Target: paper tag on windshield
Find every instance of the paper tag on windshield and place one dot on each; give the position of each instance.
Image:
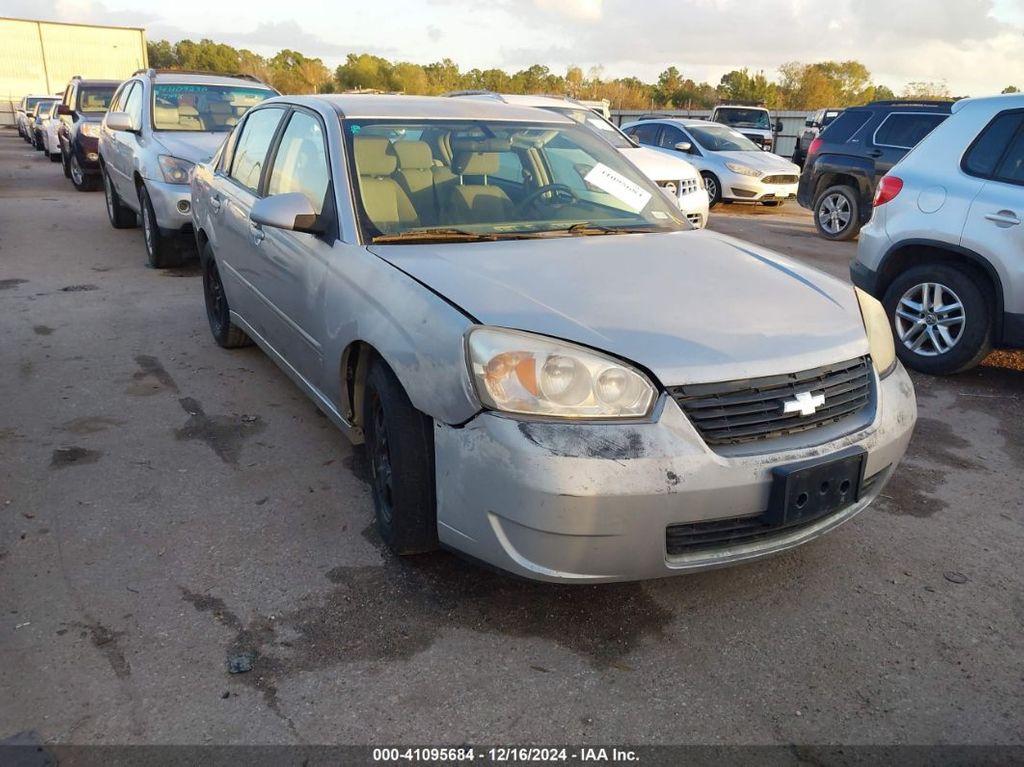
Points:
(618, 186)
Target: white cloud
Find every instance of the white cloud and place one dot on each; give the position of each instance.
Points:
(577, 10)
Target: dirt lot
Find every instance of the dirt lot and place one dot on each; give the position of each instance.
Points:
(166, 506)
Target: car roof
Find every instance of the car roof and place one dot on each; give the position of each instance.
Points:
(1000, 101)
(686, 122)
(96, 81)
(522, 99)
(202, 79)
(361, 106)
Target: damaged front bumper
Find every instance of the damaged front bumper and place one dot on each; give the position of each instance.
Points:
(571, 502)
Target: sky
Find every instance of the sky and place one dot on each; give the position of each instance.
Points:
(975, 46)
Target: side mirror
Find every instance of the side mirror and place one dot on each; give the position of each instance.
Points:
(292, 212)
(808, 123)
(778, 125)
(684, 146)
(119, 121)
(62, 109)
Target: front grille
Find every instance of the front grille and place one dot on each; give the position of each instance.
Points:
(780, 180)
(757, 138)
(681, 187)
(736, 412)
(696, 219)
(718, 533)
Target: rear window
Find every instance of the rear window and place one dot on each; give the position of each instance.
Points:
(843, 127)
(906, 129)
(984, 154)
(94, 99)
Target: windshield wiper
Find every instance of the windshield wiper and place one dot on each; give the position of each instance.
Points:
(435, 235)
(588, 228)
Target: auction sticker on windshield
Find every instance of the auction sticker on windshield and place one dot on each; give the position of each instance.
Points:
(618, 186)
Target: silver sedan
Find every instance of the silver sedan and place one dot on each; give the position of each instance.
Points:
(550, 371)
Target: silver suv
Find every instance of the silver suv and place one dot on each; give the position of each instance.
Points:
(549, 370)
(159, 125)
(945, 248)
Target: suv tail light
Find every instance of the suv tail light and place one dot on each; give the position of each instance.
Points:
(814, 147)
(888, 188)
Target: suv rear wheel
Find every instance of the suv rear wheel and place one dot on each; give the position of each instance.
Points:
(941, 319)
(837, 214)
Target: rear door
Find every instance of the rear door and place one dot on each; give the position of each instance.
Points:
(646, 133)
(897, 134)
(995, 223)
(236, 188)
(288, 267)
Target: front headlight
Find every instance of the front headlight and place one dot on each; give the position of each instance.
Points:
(743, 170)
(90, 129)
(517, 372)
(175, 169)
(876, 324)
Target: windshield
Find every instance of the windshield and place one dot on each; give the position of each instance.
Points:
(461, 180)
(95, 98)
(195, 107)
(594, 121)
(744, 118)
(43, 107)
(31, 102)
(718, 138)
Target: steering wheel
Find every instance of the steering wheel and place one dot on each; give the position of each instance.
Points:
(556, 190)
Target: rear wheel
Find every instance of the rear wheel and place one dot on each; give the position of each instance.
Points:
(941, 319)
(224, 331)
(400, 448)
(120, 216)
(837, 214)
(713, 187)
(161, 251)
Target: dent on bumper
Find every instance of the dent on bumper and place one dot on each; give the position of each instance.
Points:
(591, 502)
(165, 198)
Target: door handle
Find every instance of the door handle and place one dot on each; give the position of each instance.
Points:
(215, 204)
(1004, 218)
(258, 235)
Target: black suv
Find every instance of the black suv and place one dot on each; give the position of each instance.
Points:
(81, 112)
(845, 162)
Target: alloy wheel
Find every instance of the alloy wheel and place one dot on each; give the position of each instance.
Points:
(147, 224)
(380, 461)
(76, 173)
(711, 187)
(930, 319)
(834, 213)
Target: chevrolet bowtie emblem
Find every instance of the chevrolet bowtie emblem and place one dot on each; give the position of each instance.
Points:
(803, 403)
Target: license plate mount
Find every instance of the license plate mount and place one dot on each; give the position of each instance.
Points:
(802, 492)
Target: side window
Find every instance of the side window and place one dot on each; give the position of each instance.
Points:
(301, 161)
(252, 146)
(1011, 169)
(846, 125)
(670, 136)
(646, 134)
(983, 155)
(68, 97)
(906, 130)
(133, 105)
(117, 103)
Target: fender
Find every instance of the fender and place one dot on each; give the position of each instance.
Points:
(862, 169)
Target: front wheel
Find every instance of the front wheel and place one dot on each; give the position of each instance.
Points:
(941, 319)
(400, 448)
(837, 213)
(160, 249)
(713, 187)
(79, 179)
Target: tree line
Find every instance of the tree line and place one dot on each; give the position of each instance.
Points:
(798, 86)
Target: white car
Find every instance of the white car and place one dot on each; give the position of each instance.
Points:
(50, 124)
(675, 175)
(734, 167)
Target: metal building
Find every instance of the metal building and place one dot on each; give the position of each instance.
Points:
(41, 56)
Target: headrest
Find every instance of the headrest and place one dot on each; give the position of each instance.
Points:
(476, 163)
(374, 156)
(219, 107)
(186, 110)
(165, 115)
(414, 155)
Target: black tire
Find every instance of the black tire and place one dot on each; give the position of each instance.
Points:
(400, 449)
(798, 159)
(837, 213)
(120, 216)
(972, 334)
(64, 164)
(713, 187)
(80, 180)
(55, 157)
(37, 143)
(161, 251)
(226, 333)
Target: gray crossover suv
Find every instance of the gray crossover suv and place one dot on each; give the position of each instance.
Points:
(944, 250)
(158, 126)
(550, 370)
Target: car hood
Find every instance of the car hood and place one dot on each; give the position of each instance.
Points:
(194, 146)
(659, 166)
(691, 307)
(762, 161)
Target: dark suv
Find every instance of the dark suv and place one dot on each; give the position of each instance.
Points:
(845, 162)
(81, 111)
